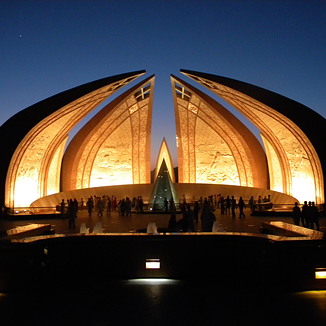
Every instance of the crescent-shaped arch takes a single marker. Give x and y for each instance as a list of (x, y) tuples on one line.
[(113, 148), (213, 145), (35, 139), (292, 133)]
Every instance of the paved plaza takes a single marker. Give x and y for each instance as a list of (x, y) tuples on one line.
[(116, 223)]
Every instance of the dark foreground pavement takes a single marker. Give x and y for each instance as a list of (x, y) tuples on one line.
[(136, 302), (203, 280)]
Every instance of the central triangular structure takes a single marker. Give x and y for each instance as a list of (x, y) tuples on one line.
[(163, 189), (164, 180)]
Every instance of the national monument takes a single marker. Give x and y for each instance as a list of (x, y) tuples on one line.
[(110, 154)]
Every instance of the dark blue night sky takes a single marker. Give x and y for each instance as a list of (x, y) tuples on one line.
[(49, 46)]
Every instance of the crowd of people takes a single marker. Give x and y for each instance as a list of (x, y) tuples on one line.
[(202, 211), (100, 205), (307, 216), (227, 205), (195, 213), (190, 218)]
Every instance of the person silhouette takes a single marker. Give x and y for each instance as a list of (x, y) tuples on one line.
[(314, 216), (241, 206), (296, 214)]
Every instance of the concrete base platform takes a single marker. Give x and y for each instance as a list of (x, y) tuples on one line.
[(202, 279)]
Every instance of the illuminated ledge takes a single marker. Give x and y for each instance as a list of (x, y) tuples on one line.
[(166, 235), (69, 235), (38, 238), (293, 231), (29, 230)]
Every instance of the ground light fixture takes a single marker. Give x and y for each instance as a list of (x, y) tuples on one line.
[(153, 263), (320, 273)]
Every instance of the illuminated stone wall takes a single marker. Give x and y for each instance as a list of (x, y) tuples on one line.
[(34, 169), (215, 162), (276, 179), (294, 165), (213, 145), (114, 146), (112, 163)]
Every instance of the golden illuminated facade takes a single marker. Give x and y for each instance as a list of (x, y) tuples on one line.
[(213, 145), (113, 148), (216, 152), (39, 134), (295, 167)]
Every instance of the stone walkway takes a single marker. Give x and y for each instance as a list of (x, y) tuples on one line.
[(118, 224)]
